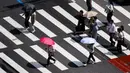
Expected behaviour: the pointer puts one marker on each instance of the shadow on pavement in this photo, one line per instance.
(15, 31)
(71, 64)
(122, 2)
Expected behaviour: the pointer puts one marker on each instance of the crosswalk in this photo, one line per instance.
(71, 52)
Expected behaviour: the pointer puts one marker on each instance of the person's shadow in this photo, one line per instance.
(15, 31)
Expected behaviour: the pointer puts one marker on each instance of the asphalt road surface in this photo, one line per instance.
(22, 52)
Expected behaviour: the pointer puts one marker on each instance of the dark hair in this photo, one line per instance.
(81, 11)
(119, 29)
(122, 27)
(95, 17)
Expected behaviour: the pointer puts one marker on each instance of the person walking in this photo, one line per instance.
(33, 19)
(51, 53)
(89, 4)
(95, 29)
(28, 9)
(111, 28)
(91, 55)
(109, 10)
(91, 23)
(81, 21)
(120, 39)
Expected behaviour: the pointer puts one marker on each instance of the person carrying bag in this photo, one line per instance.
(51, 53)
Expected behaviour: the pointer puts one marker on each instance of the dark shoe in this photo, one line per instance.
(47, 65)
(54, 61)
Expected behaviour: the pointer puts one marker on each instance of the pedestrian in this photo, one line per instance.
(91, 55)
(89, 4)
(33, 19)
(109, 10)
(51, 53)
(111, 28)
(91, 23)
(95, 29)
(120, 39)
(81, 21)
(28, 9)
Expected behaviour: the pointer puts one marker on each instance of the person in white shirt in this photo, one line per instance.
(111, 28)
(121, 40)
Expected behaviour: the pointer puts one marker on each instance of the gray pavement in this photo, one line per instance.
(101, 67)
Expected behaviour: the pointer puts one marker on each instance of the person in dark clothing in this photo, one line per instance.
(89, 4)
(91, 54)
(81, 21)
(109, 16)
(109, 10)
(28, 9)
(51, 52)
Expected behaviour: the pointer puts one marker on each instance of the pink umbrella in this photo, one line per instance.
(47, 41)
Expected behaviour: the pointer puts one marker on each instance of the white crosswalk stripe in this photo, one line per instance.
(2, 45)
(31, 61)
(68, 55)
(10, 36)
(12, 63)
(43, 28)
(122, 10)
(2, 71)
(18, 26)
(44, 54)
(54, 21)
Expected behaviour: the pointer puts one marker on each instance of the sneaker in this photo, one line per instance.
(33, 31)
(84, 64)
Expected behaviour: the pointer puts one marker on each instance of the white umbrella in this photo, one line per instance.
(88, 40)
(90, 14)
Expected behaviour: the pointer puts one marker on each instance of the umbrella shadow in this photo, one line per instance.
(71, 64)
(76, 38)
(35, 65)
(15, 31)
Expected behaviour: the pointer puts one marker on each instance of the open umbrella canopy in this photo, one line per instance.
(90, 14)
(88, 40)
(47, 41)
